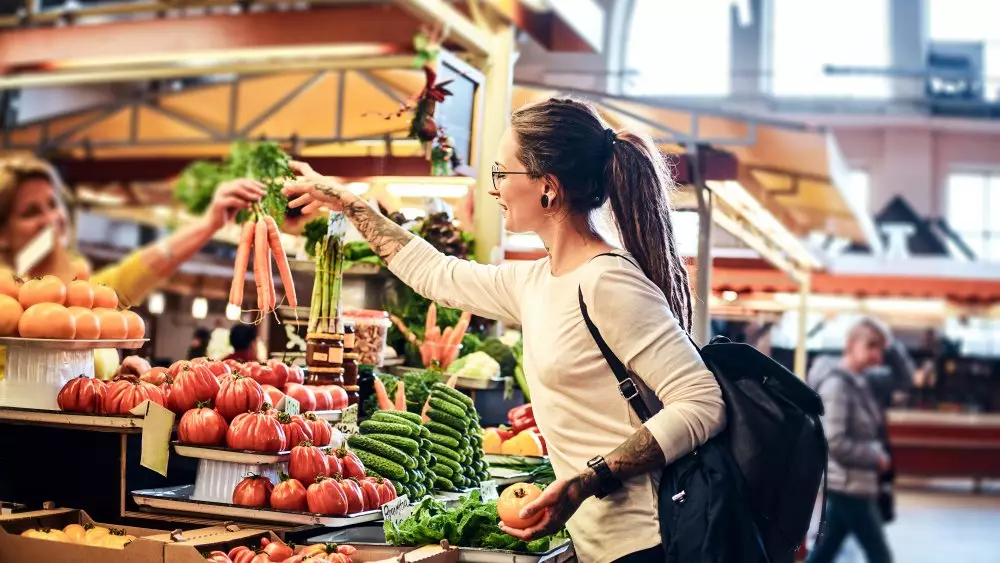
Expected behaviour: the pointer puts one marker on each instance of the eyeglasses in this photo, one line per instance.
(499, 174)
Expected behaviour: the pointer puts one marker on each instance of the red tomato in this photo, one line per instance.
(192, 384)
(253, 490)
(307, 462)
(290, 494)
(262, 374)
(295, 375)
(338, 397)
(386, 490)
(272, 394)
(82, 394)
(302, 394)
(276, 550)
(234, 365)
(238, 395)
(355, 498)
(333, 462)
(218, 369)
(244, 554)
(157, 376)
(296, 429)
(325, 496)
(323, 398)
(125, 393)
(280, 372)
(350, 465)
(256, 431)
(177, 366)
(321, 430)
(218, 557)
(202, 425)
(369, 491)
(513, 499)
(47, 289)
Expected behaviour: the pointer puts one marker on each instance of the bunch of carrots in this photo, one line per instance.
(437, 349)
(260, 234)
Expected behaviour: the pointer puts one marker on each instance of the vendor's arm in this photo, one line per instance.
(635, 320)
(138, 274)
(486, 290)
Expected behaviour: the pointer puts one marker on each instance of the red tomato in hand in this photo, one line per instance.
(295, 375)
(302, 394)
(350, 465)
(325, 496)
(83, 394)
(256, 431)
(307, 462)
(125, 393)
(192, 384)
(238, 395)
(280, 372)
(369, 491)
(253, 491)
(296, 429)
(203, 426)
(321, 430)
(333, 462)
(323, 398)
(513, 499)
(290, 494)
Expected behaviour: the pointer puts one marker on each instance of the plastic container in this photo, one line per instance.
(371, 329)
(34, 376)
(217, 479)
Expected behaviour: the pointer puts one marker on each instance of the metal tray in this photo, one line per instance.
(219, 453)
(498, 459)
(55, 344)
(179, 499)
(331, 416)
(62, 418)
(364, 537)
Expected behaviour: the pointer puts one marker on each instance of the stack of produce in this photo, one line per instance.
(393, 445)
(456, 439)
(86, 534)
(522, 437)
(278, 551)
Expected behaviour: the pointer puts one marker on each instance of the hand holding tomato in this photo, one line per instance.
(546, 514)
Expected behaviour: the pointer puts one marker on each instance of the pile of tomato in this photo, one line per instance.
(48, 308)
(279, 552)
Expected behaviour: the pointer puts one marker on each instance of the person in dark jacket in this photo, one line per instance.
(243, 338)
(854, 427)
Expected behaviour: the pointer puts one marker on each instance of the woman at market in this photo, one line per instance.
(32, 200)
(558, 164)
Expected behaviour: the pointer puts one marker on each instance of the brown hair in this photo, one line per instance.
(569, 140)
(14, 171)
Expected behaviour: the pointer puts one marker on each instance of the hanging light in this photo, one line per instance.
(199, 308)
(156, 303)
(233, 312)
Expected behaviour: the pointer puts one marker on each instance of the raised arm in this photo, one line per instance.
(486, 290)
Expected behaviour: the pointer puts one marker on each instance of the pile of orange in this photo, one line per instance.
(48, 308)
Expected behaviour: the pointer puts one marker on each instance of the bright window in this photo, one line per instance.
(973, 211)
(977, 336)
(811, 34)
(859, 188)
(971, 20)
(679, 48)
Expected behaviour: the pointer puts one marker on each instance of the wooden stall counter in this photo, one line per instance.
(942, 444)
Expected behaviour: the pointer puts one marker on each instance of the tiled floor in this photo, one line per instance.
(942, 522)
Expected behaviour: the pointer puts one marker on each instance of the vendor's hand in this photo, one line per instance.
(312, 191)
(134, 365)
(558, 501)
(231, 197)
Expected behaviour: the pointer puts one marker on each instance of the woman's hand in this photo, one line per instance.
(312, 191)
(559, 501)
(231, 197)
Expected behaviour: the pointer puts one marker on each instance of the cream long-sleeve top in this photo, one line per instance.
(575, 395)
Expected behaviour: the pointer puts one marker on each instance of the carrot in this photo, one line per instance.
(269, 271)
(260, 259)
(431, 320)
(460, 328)
(281, 260)
(400, 396)
(240, 267)
(383, 398)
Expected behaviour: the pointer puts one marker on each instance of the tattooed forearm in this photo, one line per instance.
(638, 455)
(385, 237)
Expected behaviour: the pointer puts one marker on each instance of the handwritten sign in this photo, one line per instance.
(348, 424)
(157, 425)
(291, 405)
(488, 491)
(396, 510)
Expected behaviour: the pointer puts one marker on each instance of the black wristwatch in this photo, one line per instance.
(607, 483)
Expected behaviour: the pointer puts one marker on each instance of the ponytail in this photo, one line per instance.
(638, 183)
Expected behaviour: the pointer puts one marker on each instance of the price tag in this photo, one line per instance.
(157, 425)
(291, 405)
(488, 491)
(396, 510)
(348, 424)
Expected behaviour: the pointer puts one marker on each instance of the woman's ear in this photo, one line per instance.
(552, 188)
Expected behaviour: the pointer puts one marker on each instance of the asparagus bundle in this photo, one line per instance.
(324, 310)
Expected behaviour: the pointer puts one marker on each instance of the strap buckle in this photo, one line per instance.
(628, 389)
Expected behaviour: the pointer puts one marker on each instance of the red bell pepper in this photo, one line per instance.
(505, 433)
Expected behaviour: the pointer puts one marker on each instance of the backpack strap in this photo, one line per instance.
(626, 385)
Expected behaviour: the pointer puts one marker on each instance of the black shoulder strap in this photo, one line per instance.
(626, 386)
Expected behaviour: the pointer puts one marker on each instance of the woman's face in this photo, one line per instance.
(518, 194)
(37, 205)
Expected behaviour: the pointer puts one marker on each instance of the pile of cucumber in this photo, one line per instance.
(445, 453)
(456, 440)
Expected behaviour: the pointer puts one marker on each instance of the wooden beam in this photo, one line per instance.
(461, 30)
(554, 27)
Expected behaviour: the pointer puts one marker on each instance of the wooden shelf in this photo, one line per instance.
(75, 421)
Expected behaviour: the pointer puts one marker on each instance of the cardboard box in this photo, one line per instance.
(17, 549)
(204, 540)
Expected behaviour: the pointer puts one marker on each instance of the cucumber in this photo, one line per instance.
(405, 415)
(460, 480)
(381, 466)
(469, 473)
(442, 470)
(477, 439)
(456, 424)
(385, 416)
(377, 427)
(443, 451)
(443, 429)
(442, 440)
(408, 446)
(451, 401)
(363, 442)
(449, 463)
(460, 397)
(424, 432)
(448, 407)
(443, 484)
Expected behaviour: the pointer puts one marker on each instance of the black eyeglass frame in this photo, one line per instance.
(498, 172)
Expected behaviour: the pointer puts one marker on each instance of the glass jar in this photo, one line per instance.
(371, 330)
(349, 336)
(326, 376)
(353, 397)
(350, 368)
(324, 350)
(366, 385)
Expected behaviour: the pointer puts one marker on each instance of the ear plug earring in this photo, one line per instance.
(545, 200)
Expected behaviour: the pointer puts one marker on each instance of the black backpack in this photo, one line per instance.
(746, 495)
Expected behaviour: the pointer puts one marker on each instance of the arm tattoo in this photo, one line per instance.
(638, 455)
(385, 237)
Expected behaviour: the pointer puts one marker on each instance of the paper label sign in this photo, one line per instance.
(348, 424)
(396, 510)
(488, 491)
(157, 424)
(291, 405)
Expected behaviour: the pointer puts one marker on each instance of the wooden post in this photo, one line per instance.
(801, 352)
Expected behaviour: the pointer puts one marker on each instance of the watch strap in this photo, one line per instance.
(606, 480)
